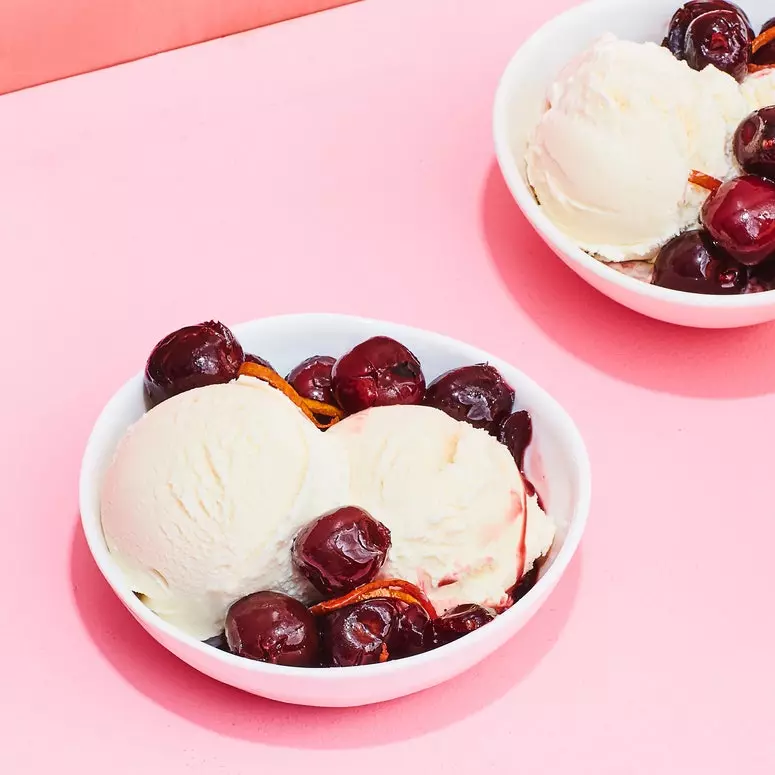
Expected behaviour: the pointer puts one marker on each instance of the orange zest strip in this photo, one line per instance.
(394, 589)
(762, 40)
(310, 408)
(704, 181)
(752, 68)
(326, 410)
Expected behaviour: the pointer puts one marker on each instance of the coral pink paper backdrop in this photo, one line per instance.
(344, 162)
(42, 40)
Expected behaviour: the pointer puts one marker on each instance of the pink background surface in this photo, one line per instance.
(343, 162)
(42, 40)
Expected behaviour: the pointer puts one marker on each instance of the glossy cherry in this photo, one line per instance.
(312, 378)
(413, 632)
(516, 432)
(460, 621)
(740, 217)
(359, 634)
(526, 583)
(762, 277)
(341, 550)
(218, 642)
(676, 35)
(721, 39)
(690, 262)
(377, 372)
(476, 394)
(272, 627)
(192, 357)
(754, 143)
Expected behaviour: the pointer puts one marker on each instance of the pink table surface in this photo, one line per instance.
(344, 162)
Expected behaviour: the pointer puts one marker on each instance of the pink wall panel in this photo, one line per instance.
(43, 40)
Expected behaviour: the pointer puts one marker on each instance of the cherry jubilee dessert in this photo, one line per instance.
(343, 601)
(659, 161)
(738, 217)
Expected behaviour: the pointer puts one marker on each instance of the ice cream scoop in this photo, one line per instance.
(453, 499)
(205, 493)
(625, 125)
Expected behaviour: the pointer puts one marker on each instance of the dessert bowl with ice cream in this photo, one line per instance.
(370, 524)
(638, 140)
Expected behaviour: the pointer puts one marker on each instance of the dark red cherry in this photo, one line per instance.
(690, 262)
(516, 433)
(250, 358)
(476, 394)
(766, 54)
(676, 35)
(377, 372)
(459, 621)
(218, 642)
(740, 217)
(526, 583)
(341, 550)
(358, 634)
(721, 39)
(762, 277)
(754, 143)
(312, 378)
(272, 627)
(413, 632)
(192, 357)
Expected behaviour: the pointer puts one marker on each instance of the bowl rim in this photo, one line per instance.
(520, 190)
(91, 526)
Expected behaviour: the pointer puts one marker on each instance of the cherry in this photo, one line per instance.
(358, 634)
(476, 394)
(413, 632)
(312, 378)
(218, 642)
(762, 277)
(691, 263)
(373, 631)
(676, 34)
(740, 217)
(250, 358)
(377, 372)
(526, 583)
(272, 627)
(192, 357)
(754, 143)
(341, 550)
(766, 54)
(721, 39)
(459, 621)
(516, 433)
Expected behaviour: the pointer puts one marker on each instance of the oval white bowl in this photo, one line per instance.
(557, 462)
(519, 104)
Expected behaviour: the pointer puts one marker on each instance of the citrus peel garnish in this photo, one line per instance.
(762, 40)
(393, 589)
(752, 68)
(313, 410)
(704, 181)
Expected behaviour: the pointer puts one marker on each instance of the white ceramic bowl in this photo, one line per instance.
(557, 463)
(519, 104)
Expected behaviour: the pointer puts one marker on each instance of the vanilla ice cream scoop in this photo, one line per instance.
(759, 89)
(625, 125)
(453, 499)
(205, 494)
